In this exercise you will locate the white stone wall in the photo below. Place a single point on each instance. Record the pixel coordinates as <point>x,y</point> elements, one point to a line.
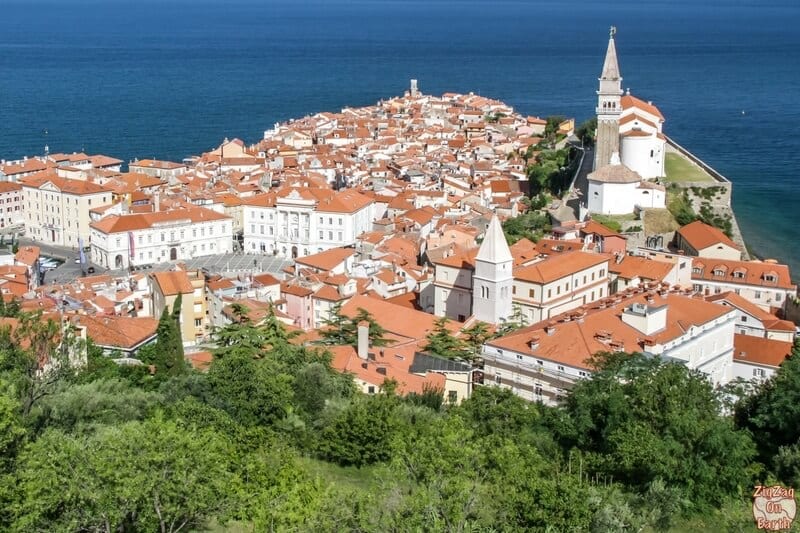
<point>644,155</point>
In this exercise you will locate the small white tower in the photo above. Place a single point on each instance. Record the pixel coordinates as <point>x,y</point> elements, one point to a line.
<point>493,279</point>
<point>414,90</point>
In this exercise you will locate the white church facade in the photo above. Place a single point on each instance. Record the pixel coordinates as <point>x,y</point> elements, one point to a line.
<point>630,147</point>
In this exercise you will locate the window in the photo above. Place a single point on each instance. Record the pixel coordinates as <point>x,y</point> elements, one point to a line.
<point>759,372</point>
<point>537,391</point>
<point>330,235</point>
<point>777,297</point>
<point>198,322</point>
<point>498,379</point>
<point>582,374</point>
<point>602,272</point>
<point>560,368</point>
<point>484,291</point>
<point>452,396</point>
<point>371,389</point>
<point>531,293</point>
<point>744,319</point>
<point>758,294</point>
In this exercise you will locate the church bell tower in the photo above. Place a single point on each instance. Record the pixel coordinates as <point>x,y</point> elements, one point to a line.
<point>609,107</point>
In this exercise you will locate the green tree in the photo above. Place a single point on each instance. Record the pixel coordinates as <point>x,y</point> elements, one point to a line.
<point>640,419</point>
<point>37,357</point>
<point>316,384</point>
<point>104,401</point>
<point>772,412</point>
<point>361,433</point>
<point>168,356</point>
<point>138,476</point>
<point>342,330</point>
<point>254,392</point>
<point>12,432</point>
<point>337,329</point>
<point>516,321</point>
<point>443,343</point>
<point>475,337</point>
<point>587,131</point>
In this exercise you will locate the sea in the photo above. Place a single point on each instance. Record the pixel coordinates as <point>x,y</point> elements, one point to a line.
<point>172,78</point>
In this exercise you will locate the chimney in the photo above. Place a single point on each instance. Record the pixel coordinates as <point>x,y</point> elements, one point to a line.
<point>533,343</point>
<point>156,201</point>
<point>363,339</point>
<point>550,328</point>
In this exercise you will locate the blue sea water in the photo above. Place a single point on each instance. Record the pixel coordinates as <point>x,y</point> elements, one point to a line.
<point>171,78</point>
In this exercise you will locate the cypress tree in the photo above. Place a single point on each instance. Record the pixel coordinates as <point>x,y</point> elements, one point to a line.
<point>170,359</point>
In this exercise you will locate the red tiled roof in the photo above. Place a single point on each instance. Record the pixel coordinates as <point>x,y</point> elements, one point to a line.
<point>701,236</point>
<point>760,351</point>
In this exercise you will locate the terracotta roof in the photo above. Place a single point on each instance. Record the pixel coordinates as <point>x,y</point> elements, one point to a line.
<point>628,101</point>
<point>615,174</point>
<point>154,163</point>
<point>65,185</point>
<point>596,228</point>
<point>769,321</point>
<point>760,351</point>
<point>27,255</point>
<point>327,260</point>
<point>573,342</point>
<point>118,331</point>
<point>747,272</point>
<point>125,223</point>
<point>396,319</point>
<point>633,266</point>
<point>701,236</point>
<point>173,282</point>
<point>460,259</point>
<point>9,186</point>
<point>345,359</point>
<point>558,266</point>
<point>200,360</point>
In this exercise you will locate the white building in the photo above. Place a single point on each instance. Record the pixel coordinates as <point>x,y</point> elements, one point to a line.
<point>540,288</point>
<point>543,361</point>
<point>615,189</point>
<point>766,284</point>
<point>121,241</point>
<point>301,221</point>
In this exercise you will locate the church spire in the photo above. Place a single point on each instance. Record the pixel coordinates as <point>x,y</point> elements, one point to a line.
<point>611,66</point>
<point>494,248</point>
<point>492,283</point>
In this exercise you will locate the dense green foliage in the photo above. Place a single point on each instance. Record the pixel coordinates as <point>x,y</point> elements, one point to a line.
<point>531,225</point>
<point>681,208</point>
<point>272,439</point>
<point>339,329</point>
